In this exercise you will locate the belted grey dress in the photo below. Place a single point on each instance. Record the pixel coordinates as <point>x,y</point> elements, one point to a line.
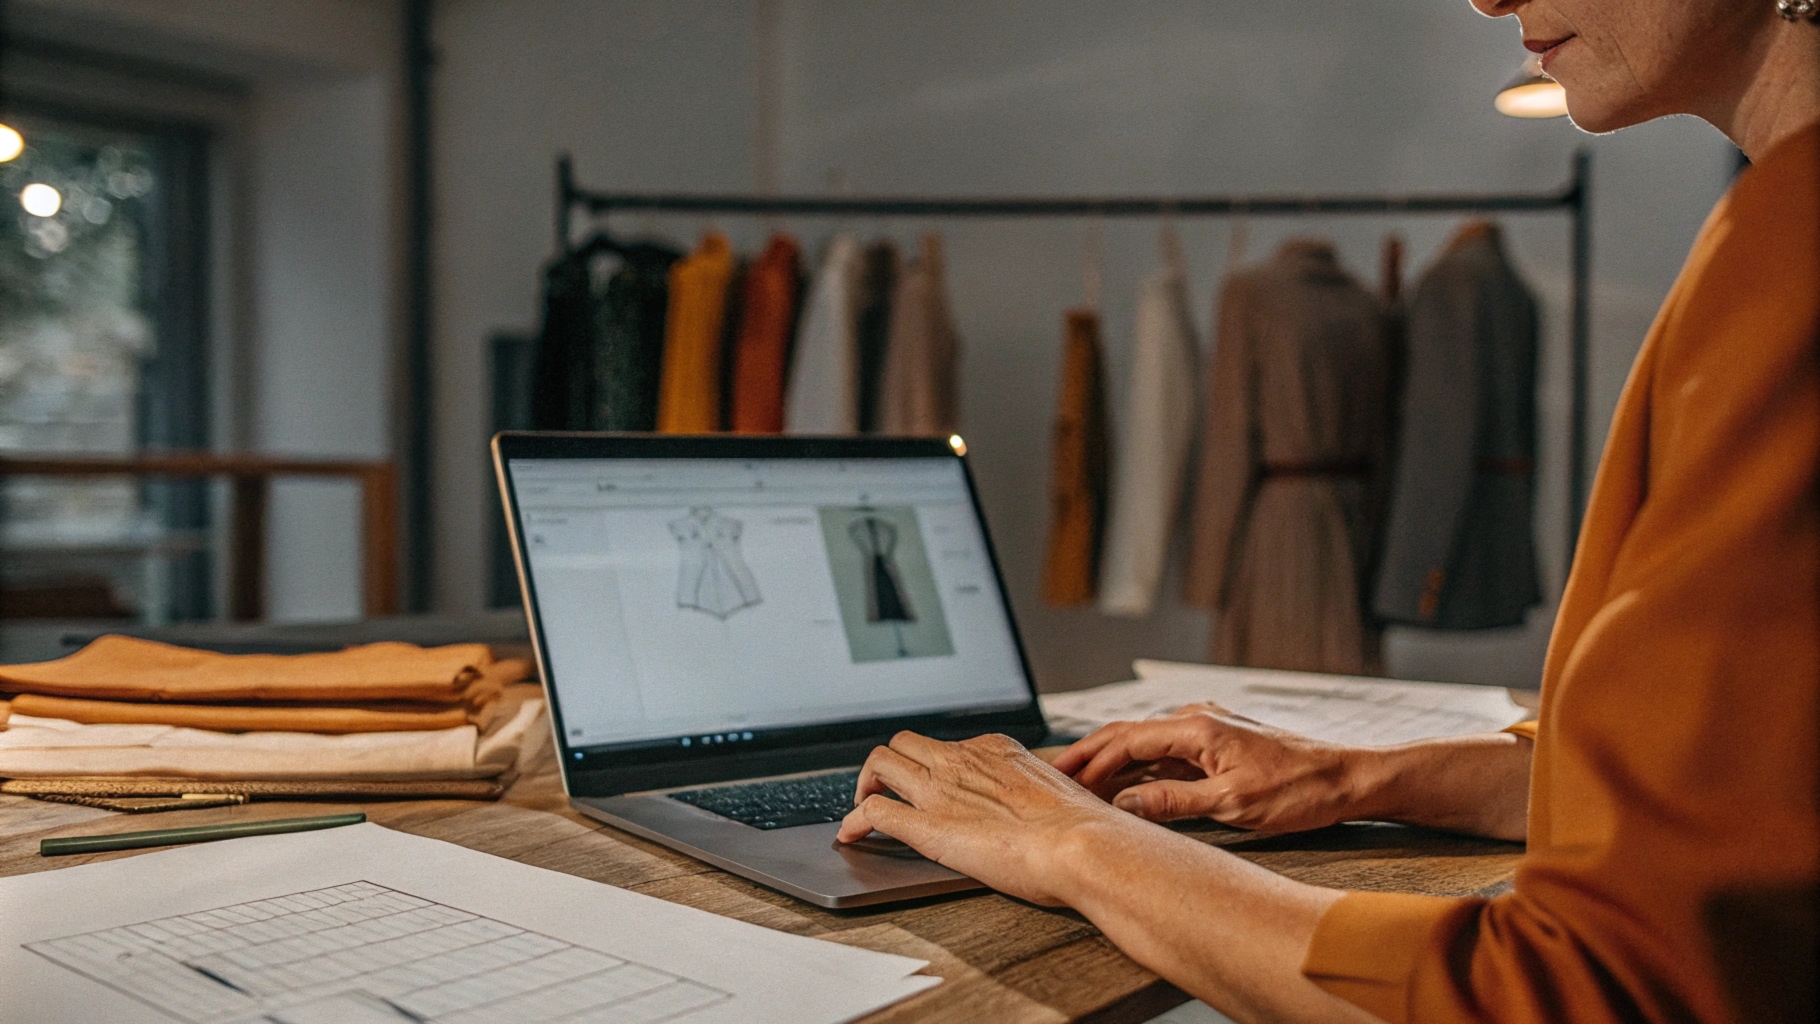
<point>1285,500</point>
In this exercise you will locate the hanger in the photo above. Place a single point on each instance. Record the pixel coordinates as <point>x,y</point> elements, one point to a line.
<point>1239,239</point>
<point>1092,274</point>
<point>1170,242</point>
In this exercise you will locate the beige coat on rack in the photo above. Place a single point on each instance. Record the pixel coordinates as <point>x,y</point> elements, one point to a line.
<point>1297,426</point>
<point>918,391</point>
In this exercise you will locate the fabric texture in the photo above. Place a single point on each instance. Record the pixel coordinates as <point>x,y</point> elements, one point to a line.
<point>1296,429</point>
<point>823,392</point>
<point>1674,814</point>
<point>919,386</point>
<point>767,322</point>
<point>689,399</point>
<point>1078,467</point>
<point>629,340</point>
<point>879,270</point>
<point>124,668</point>
<point>54,748</point>
<point>1459,549</point>
<point>1153,446</point>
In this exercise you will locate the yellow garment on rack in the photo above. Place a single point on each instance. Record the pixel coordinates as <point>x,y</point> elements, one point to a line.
<point>1078,476</point>
<point>689,396</point>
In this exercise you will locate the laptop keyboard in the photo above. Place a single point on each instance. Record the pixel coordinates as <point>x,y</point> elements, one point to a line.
<point>779,803</point>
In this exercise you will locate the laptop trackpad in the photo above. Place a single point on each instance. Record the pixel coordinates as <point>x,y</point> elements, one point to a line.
<point>881,844</point>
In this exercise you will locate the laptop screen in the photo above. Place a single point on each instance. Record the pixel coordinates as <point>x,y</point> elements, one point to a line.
<point>706,602</point>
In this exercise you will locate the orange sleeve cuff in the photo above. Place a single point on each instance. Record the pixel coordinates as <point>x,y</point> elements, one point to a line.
<point>1527,730</point>
<point>1369,946</point>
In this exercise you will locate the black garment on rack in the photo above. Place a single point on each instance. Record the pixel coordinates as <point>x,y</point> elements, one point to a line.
<point>878,279</point>
<point>885,597</point>
<point>1460,543</point>
<point>561,398</point>
<point>628,342</point>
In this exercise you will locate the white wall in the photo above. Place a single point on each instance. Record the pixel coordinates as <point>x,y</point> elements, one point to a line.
<point>1022,96</point>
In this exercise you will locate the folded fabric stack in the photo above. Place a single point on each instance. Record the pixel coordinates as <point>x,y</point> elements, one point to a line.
<point>133,717</point>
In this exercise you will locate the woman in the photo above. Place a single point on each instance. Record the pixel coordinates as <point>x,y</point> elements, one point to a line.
<point>1668,796</point>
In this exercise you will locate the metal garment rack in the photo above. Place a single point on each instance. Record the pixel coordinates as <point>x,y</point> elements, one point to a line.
<point>1574,199</point>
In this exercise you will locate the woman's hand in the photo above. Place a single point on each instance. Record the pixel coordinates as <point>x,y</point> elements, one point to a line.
<point>1203,761</point>
<point>985,807</point>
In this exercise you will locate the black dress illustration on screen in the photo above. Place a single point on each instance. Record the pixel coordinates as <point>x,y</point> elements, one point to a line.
<point>713,576</point>
<point>886,598</point>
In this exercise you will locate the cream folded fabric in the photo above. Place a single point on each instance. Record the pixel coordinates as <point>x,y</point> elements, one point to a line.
<point>36,748</point>
<point>240,718</point>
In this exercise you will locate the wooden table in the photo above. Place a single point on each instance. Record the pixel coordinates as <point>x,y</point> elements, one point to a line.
<point>1001,960</point>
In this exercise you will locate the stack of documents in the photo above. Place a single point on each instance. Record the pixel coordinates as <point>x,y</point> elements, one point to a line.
<point>364,925</point>
<point>1340,709</point>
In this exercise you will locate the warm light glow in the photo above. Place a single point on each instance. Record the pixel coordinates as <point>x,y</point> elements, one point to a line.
<point>1533,99</point>
<point>11,143</point>
<point>955,442</point>
<point>40,200</point>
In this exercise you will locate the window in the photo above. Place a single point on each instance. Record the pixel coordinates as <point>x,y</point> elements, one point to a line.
<point>102,352</point>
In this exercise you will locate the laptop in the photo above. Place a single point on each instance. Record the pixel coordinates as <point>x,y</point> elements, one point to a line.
<point>727,626</point>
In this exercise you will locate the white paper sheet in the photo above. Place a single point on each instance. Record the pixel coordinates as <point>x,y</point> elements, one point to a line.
<point>1341,709</point>
<point>363,924</point>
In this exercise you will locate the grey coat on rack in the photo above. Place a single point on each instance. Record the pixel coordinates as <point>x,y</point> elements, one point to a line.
<point>1460,544</point>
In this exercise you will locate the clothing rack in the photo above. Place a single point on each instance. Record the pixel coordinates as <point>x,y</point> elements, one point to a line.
<point>1574,199</point>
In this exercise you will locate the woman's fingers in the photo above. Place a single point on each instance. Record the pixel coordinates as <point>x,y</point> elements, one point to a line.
<point>888,771</point>
<point>1167,800</point>
<point>1189,738</point>
<point>894,818</point>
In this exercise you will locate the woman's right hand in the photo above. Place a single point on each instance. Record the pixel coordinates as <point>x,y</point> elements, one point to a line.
<point>1202,761</point>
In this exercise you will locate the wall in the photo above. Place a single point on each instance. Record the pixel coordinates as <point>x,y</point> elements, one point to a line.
<point>303,97</point>
<point>1022,96</point>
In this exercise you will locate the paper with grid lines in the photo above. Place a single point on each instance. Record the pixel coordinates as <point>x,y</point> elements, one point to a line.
<point>426,932</point>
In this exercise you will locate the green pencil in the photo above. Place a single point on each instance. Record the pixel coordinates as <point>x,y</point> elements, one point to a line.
<point>193,834</point>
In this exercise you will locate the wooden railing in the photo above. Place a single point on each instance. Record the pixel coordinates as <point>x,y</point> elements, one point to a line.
<point>250,477</point>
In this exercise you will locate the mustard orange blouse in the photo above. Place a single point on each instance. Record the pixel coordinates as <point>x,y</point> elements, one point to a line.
<point>1677,756</point>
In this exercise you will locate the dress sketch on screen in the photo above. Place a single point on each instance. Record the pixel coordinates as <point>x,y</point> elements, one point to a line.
<point>886,598</point>
<point>713,576</point>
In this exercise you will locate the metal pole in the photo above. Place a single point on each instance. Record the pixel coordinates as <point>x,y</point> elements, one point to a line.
<point>565,198</point>
<point>1579,333</point>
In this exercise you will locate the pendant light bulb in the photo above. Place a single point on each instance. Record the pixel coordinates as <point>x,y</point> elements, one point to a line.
<point>1532,93</point>
<point>11,143</point>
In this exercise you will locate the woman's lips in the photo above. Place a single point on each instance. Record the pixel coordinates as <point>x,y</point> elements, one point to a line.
<point>1548,48</point>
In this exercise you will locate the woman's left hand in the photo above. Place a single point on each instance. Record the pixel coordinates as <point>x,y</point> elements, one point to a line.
<point>985,807</point>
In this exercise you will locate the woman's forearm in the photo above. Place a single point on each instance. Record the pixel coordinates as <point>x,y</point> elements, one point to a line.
<point>1476,784</point>
<point>1223,930</point>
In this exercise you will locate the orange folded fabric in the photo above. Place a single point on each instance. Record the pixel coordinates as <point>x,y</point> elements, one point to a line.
<point>240,718</point>
<point>129,669</point>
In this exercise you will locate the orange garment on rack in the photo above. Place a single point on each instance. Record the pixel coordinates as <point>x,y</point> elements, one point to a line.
<point>761,354</point>
<point>688,400</point>
<point>128,669</point>
<point>1674,818</point>
<point>1078,470</point>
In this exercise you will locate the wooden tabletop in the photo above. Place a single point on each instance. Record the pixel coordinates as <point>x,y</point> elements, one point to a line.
<point>1001,960</point>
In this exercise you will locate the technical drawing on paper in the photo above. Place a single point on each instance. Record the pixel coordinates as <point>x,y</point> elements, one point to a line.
<point>361,953</point>
<point>713,576</point>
